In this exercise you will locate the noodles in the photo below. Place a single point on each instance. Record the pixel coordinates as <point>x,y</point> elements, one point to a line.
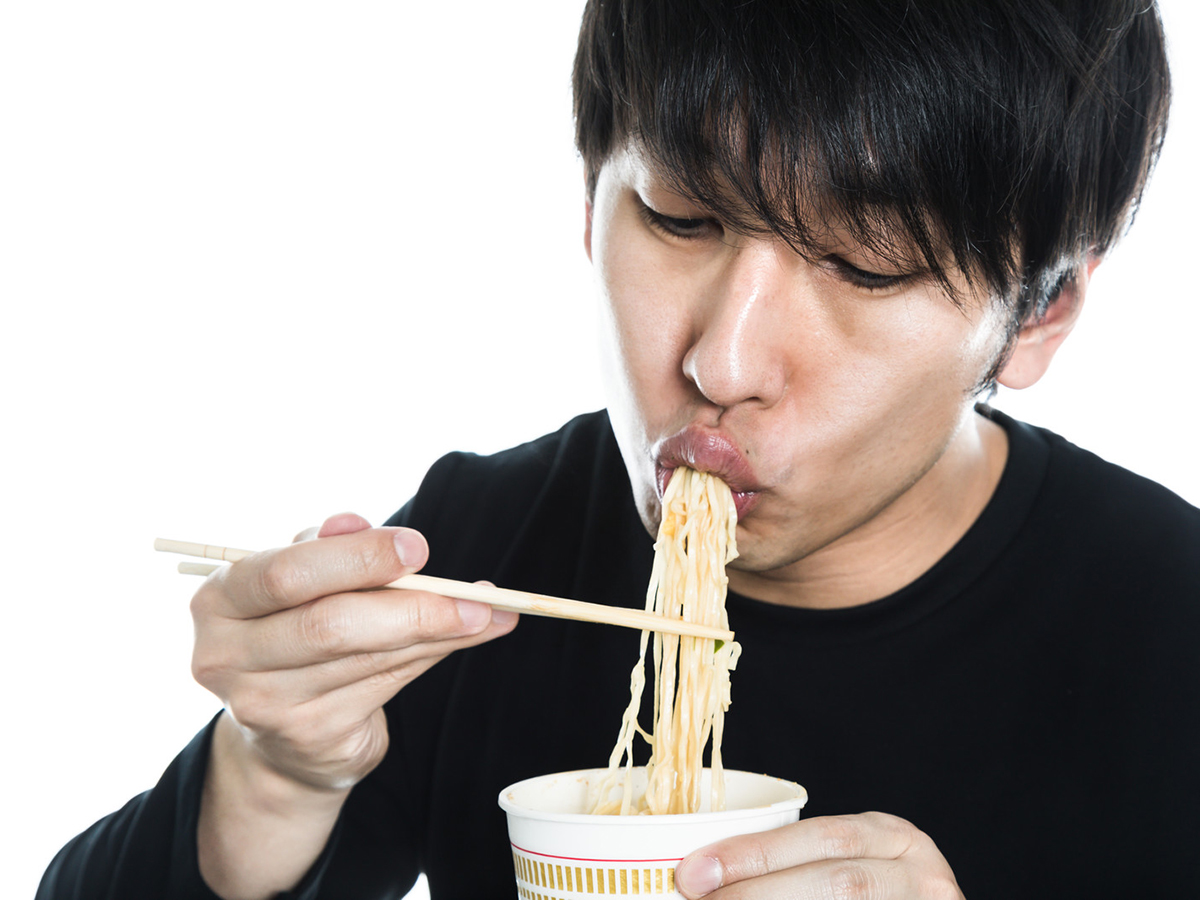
<point>696,538</point>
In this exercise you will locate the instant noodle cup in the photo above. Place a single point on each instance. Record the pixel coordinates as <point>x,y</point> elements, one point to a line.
<point>560,852</point>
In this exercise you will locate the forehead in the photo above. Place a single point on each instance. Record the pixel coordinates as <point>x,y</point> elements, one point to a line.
<point>632,165</point>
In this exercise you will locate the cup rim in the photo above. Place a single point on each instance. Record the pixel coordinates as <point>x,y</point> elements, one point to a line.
<point>647,821</point>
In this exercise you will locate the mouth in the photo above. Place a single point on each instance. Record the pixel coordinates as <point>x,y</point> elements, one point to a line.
<point>713,452</point>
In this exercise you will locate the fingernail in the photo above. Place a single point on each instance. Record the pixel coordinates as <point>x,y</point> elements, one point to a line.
<point>474,615</point>
<point>698,875</point>
<point>410,547</point>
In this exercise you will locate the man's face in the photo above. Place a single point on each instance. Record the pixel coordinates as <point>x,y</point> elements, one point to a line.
<point>834,396</point>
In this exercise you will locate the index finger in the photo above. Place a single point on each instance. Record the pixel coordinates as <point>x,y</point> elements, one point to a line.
<point>870,835</point>
<point>291,576</point>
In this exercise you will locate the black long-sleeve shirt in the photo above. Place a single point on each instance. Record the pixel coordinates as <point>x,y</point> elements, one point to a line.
<point>1032,702</point>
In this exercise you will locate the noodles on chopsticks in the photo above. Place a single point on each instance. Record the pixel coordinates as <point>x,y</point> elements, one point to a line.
<point>696,539</point>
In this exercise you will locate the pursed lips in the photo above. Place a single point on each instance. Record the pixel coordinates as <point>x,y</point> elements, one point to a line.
<point>707,450</point>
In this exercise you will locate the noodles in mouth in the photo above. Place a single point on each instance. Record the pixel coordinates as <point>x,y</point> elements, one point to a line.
<point>696,538</point>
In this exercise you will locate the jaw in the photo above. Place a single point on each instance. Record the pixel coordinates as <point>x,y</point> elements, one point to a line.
<point>892,542</point>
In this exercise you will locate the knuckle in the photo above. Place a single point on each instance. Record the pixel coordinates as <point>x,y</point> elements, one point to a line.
<point>203,601</point>
<point>375,562</point>
<point>852,881</point>
<point>212,661</point>
<point>325,626</point>
<point>843,839</point>
<point>755,855</point>
<point>888,822</point>
<point>748,856</point>
<point>277,581</point>
<point>208,671</point>
<point>874,818</point>
<point>916,840</point>
<point>254,711</point>
<point>431,618</point>
<point>360,749</point>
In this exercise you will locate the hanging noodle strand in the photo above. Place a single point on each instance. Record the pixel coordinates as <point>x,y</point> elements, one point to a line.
<point>696,539</point>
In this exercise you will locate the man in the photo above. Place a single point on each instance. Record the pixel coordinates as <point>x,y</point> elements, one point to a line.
<point>823,232</point>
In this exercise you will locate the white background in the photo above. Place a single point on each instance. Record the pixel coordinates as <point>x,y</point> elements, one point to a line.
<point>263,262</point>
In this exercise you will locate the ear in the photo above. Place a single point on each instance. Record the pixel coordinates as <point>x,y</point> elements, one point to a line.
<point>587,229</point>
<point>1038,341</point>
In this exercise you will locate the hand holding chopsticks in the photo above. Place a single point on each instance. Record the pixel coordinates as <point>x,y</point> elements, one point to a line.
<point>498,598</point>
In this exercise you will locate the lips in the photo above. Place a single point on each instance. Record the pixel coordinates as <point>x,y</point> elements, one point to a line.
<point>708,451</point>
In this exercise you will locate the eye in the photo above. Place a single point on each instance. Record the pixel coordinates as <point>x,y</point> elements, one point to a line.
<point>864,278</point>
<point>688,229</point>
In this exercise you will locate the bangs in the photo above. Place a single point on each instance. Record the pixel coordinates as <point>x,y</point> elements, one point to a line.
<point>857,135</point>
<point>934,133</point>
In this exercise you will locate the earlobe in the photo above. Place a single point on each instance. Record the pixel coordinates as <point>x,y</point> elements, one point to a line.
<point>1038,341</point>
<point>587,229</point>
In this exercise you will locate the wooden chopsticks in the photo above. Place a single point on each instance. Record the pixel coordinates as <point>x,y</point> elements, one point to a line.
<point>498,598</point>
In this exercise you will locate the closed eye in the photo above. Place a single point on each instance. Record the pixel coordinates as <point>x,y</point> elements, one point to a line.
<point>864,278</point>
<point>674,226</point>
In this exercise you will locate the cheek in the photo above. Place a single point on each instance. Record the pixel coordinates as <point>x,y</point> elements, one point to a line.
<point>889,376</point>
<point>639,365</point>
<point>926,346</point>
<point>643,332</point>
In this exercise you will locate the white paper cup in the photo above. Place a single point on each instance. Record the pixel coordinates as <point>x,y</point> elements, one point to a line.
<point>560,852</point>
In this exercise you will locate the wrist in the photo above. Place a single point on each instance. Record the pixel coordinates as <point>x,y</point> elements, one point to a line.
<point>260,830</point>
<point>264,786</point>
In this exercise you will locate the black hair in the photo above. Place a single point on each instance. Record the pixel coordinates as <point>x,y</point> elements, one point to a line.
<point>1006,138</point>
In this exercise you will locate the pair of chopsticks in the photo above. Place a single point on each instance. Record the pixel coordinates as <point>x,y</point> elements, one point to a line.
<point>497,598</point>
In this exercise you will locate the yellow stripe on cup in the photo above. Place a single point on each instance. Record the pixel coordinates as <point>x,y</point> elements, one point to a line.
<point>539,879</point>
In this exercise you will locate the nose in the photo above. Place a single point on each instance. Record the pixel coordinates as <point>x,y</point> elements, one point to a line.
<point>741,328</point>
